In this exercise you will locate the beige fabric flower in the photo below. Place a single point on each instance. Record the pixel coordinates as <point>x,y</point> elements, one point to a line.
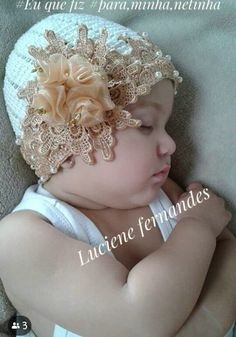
<point>80,71</point>
<point>53,72</point>
<point>52,100</point>
<point>72,88</point>
<point>87,110</point>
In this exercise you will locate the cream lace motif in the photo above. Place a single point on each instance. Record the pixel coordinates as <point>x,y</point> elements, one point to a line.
<point>46,141</point>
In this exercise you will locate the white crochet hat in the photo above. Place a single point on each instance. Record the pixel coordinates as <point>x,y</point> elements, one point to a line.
<point>20,62</point>
<point>63,116</point>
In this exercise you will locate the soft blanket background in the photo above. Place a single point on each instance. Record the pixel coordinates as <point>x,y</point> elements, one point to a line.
<point>203,47</point>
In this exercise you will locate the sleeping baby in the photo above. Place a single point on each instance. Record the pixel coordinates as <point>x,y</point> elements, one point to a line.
<point>89,101</point>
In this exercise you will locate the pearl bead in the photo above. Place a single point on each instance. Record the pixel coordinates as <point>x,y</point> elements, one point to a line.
<point>42,179</point>
<point>158,74</point>
<point>53,170</point>
<point>144,34</point>
<point>168,57</point>
<point>180,79</point>
<point>18,141</point>
<point>175,73</point>
<point>159,53</point>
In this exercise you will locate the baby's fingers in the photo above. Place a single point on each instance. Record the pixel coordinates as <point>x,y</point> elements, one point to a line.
<point>228,215</point>
<point>193,185</point>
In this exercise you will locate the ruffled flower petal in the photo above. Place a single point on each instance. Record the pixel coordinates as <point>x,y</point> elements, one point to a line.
<point>81,71</point>
<point>55,71</point>
<point>52,100</point>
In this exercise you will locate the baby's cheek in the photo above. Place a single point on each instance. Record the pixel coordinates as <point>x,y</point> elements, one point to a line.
<point>133,174</point>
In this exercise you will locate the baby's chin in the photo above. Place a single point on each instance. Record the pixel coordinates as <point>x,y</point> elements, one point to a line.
<point>145,198</point>
<point>155,194</point>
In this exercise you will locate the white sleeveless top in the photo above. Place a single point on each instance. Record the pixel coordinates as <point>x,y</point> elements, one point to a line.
<point>74,223</point>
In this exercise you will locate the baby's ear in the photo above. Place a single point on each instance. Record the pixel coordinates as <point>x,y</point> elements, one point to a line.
<point>69,162</point>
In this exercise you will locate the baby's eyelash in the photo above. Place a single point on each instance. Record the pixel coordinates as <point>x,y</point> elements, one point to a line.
<point>147,129</point>
<point>146,126</point>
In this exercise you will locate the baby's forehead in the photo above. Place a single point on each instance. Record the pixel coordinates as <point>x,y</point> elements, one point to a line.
<point>155,107</point>
<point>149,104</point>
<point>142,104</point>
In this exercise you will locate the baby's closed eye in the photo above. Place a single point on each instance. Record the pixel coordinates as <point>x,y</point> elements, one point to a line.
<point>146,128</point>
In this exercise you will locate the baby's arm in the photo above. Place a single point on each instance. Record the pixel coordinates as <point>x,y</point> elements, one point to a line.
<point>135,303</point>
<point>215,310</point>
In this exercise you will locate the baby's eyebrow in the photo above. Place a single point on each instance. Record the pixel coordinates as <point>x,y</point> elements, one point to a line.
<point>155,105</point>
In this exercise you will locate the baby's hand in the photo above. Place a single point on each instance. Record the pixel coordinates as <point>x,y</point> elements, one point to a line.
<point>211,211</point>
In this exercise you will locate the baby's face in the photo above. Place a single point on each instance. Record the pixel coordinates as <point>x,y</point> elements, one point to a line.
<point>127,181</point>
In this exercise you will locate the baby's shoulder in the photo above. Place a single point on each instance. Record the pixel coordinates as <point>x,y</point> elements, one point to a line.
<point>11,217</point>
<point>24,237</point>
<point>17,220</point>
<point>21,227</point>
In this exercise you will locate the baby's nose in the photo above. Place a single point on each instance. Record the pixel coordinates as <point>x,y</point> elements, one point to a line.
<point>166,146</point>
